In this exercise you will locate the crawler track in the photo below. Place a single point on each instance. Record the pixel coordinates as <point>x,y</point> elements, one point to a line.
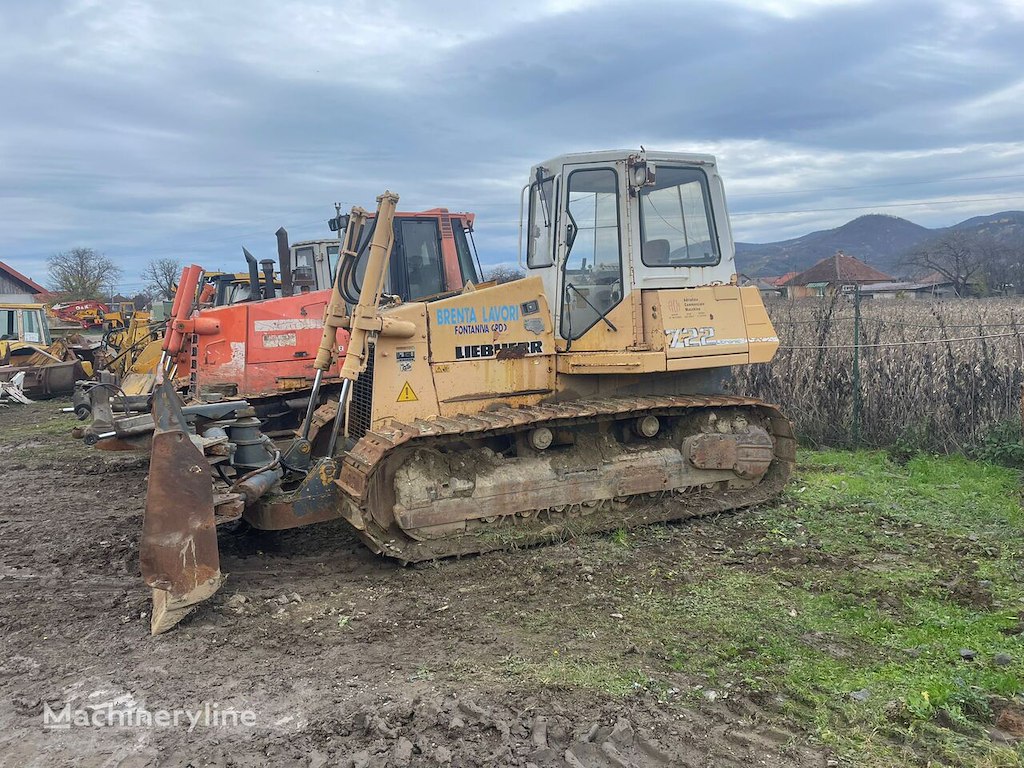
<point>452,486</point>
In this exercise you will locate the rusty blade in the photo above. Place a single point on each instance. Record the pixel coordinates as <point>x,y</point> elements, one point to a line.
<point>178,552</point>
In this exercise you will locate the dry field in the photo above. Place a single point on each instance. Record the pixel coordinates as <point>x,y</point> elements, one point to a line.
<point>935,375</point>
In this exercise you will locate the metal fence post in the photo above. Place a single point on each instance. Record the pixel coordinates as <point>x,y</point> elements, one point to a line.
<point>857,404</point>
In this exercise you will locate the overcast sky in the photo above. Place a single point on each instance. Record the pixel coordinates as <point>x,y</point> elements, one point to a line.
<point>189,129</point>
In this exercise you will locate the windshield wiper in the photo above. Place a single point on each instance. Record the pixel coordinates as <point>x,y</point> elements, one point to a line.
<point>543,198</point>
<point>600,315</point>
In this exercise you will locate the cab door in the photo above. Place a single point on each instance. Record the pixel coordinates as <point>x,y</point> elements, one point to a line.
<point>592,267</point>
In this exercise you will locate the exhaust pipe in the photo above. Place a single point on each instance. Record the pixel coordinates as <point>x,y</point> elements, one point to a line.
<point>254,276</point>
<point>284,258</point>
<point>268,276</point>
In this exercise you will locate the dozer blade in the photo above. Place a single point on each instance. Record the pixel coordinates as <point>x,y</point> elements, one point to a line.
<point>178,552</point>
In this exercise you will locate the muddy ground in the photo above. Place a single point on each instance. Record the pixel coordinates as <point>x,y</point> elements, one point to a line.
<point>338,656</point>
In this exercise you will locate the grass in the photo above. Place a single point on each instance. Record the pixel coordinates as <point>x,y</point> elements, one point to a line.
<point>37,421</point>
<point>846,605</point>
<point>39,432</point>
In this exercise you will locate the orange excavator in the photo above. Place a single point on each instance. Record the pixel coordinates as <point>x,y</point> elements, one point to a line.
<point>87,313</point>
<point>230,339</point>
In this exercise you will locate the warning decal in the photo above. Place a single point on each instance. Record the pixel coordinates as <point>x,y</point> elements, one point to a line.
<point>406,395</point>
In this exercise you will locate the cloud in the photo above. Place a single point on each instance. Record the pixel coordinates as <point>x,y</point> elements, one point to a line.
<point>150,129</point>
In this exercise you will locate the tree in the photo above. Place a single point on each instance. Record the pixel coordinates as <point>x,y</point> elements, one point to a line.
<point>161,275</point>
<point>1004,263</point>
<point>504,274</point>
<point>142,300</point>
<point>82,273</point>
<point>960,257</point>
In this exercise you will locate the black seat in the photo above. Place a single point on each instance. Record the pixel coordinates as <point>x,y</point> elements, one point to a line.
<point>656,252</point>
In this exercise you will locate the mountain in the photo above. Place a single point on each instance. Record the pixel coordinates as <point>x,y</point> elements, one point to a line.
<point>876,239</point>
<point>1006,225</point>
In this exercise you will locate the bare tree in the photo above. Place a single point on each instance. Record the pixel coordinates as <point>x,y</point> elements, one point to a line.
<point>504,274</point>
<point>142,300</point>
<point>960,257</point>
<point>161,275</point>
<point>1004,264</point>
<point>82,273</point>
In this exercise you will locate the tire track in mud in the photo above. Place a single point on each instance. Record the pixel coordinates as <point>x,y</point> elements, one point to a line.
<point>325,642</point>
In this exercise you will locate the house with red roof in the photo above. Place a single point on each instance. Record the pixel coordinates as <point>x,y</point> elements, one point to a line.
<point>781,280</point>
<point>839,273</point>
<point>17,288</point>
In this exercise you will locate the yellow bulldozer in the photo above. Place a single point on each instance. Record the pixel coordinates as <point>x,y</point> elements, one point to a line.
<point>587,396</point>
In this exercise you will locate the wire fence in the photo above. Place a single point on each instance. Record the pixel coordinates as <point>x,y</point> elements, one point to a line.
<point>933,375</point>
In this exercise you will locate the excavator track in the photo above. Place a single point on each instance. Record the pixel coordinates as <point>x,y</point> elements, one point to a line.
<point>513,477</point>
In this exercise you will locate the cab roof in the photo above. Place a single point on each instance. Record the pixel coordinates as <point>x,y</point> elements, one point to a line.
<point>611,155</point>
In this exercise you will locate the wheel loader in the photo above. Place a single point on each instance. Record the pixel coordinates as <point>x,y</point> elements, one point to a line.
<point>586,396</point>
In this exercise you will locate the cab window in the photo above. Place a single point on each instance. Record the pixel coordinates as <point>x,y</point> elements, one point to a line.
<point>675,220</point>
<point>304,257</point>
<point>466,264</point>
<point>32,332</point>
<point>540,224</point>
<point>592,279</point>
<point>422,256</point>
<point>8,325</point>
<point>332,260</point>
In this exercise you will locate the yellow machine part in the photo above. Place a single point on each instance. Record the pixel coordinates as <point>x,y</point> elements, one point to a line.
<point>141,375</point>
<point>27,355</point>
<point>498,346</point>
<point>484,427</point>
<point>136,355</point>
<point>147,360</point>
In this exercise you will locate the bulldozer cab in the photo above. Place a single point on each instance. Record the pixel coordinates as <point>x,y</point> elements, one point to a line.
<point>607,231</point>
<point>233,288</point>
<point>431,255</point>
<point>312,262</point>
